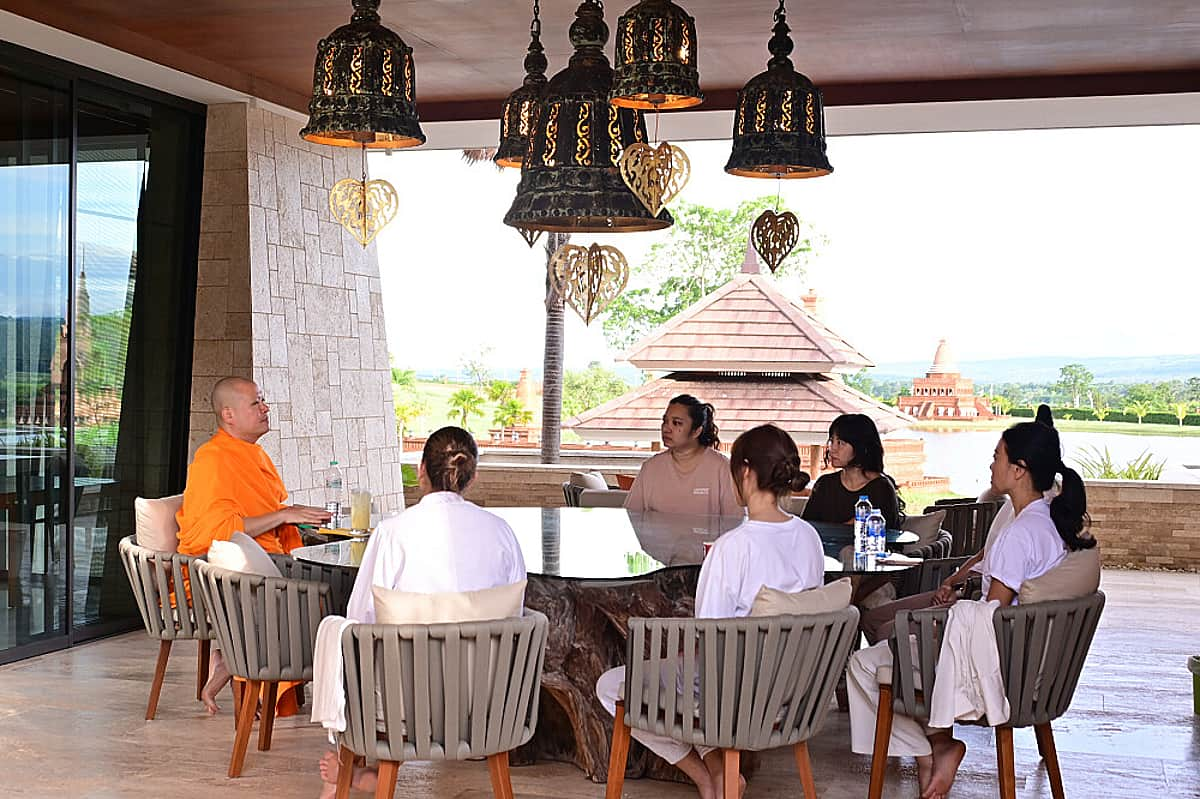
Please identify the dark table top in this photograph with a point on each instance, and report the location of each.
(613, 543)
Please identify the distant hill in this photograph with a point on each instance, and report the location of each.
(1043, 369)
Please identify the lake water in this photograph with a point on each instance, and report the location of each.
(965, 456)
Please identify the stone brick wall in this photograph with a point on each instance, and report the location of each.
(1146, 525)
(288, 298)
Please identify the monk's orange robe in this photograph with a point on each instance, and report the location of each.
(228, 481)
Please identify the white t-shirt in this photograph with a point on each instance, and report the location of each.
(443, 544)
(1003, 518)
(1028, 547)
(783, 555)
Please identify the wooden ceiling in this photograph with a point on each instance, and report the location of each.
(469, 52)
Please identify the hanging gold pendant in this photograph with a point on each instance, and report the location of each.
(529, 234)
(363, 207)
(774, 236)
(589, 278)
(655, 175)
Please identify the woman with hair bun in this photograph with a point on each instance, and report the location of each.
(771, 548)
(691, 475)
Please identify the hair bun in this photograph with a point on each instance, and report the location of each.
(1044, 415)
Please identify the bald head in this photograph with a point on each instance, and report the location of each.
(240, 408)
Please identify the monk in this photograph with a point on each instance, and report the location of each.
(232, 486)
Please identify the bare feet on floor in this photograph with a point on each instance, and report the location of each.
(715, 764)
(364, 779)
(948, 753)
(218, 676)
(924, 772)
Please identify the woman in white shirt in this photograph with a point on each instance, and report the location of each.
(443, 544)
(1026, 460)
(771, 548)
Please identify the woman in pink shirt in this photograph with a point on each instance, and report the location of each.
(691, 475)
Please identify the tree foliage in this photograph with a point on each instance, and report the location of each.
(706, 247)
(500, 390)
(408, 409)
(464, 403)
(1075, 380)
(511, 413)
(406, 378)
(589, 388)
(476, 366)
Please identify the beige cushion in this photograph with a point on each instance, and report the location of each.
(608, 498)
(1078, 575)
(405, 607)
(241, 553)
(593, 480)
(155, 526)
(826, 599)
(925, 525)
(795, 505)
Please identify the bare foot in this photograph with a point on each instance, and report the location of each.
(948, 753)
(364, 779)
(924, 772)
(715, 764)
(218, 676)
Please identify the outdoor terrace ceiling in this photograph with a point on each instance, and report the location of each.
(469, 52)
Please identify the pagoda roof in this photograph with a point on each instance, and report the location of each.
(804, 405)
(747, 325)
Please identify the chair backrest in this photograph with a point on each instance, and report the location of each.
(748, 683)
(968, 524)
(1042, 648)
(571, 494)
(339, 579)
(609, 498)
(448, 691)
(266, 626)
(938, 548)
(929, 574)
(172, 607)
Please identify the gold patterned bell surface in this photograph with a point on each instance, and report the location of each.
(363, 207)
(589, 278)
(655, 175)
(774, 236)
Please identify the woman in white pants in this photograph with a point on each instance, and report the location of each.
(1026, 460)
(771, 548)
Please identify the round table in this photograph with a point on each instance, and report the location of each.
(590, 571)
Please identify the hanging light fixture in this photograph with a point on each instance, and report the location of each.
(520, 109)
(364, 83)
(779, 123)
(569, 180)
(655, 64)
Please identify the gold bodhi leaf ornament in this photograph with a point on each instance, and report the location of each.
(363, 207)
(589, 278)
(655, 175)
(774, 236)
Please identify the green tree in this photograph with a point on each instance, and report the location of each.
(1191, 389)
(408, 410)
(476, 366)
(1138, 409)
(1140, 392)
(463, 403)
(511, 413)
(705, 248)
(404, 377)
(500, 390)
(1075, 380)
(589, 388)
(1181, 411)
(1002, 404)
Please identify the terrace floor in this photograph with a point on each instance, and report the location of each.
(71, 725)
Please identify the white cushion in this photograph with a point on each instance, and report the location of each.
(241, 553)
(925, 525)
(155, 524)
(406, 607)
(827, 598)
(608, 498)
(1078, 575)
(593, 480)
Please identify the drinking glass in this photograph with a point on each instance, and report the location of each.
(360, 511)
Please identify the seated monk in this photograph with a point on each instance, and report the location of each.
(232, 486)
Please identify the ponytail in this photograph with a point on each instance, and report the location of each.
(1069, 510)
(1036, 446)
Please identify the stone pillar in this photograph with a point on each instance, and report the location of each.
(288, 298)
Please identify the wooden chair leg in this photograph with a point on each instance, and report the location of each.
(266, 726)
(498, 771)
(346, 761)
(388, 771)
(732, 773)
(239, 693)
(618, 754)
(202, 666)
(1049, 753)
(245, 721)
(160, 671)
(804, 766)
(883, 736)
(1005, 763)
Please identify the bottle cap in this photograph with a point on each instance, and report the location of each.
(864, 496)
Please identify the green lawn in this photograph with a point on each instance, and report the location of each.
(1069, 426)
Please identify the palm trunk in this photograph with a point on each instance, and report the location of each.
(552, 361)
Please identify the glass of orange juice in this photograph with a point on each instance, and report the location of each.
(360, 511)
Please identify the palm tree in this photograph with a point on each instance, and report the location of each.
(1138, 409)
(465, 402)
(1002, 404)
(511, 413)
(1181, 411)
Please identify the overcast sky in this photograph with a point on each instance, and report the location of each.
(1059, 242)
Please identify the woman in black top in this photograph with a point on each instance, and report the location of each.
(856, 451)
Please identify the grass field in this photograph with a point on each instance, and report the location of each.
(438, 414)
(1069, 426)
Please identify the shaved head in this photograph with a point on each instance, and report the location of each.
(228, 390)
(240, 408)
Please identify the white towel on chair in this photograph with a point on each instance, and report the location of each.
(969, 684)
(329, 695)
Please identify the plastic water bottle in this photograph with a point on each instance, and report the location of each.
(876, 533)
(862, 509)
(333, 492)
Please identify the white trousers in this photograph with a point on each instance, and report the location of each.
(610, 688)
(862, 684)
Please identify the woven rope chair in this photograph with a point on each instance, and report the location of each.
(172, 608)
(968, 523)
(762, 682)
(440, 692)
(1042, 649)
(267, 629)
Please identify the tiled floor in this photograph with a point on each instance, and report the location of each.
(71, 726)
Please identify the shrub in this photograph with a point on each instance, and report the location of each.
(1098, 464)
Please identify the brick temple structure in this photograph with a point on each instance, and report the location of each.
(943, 393)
